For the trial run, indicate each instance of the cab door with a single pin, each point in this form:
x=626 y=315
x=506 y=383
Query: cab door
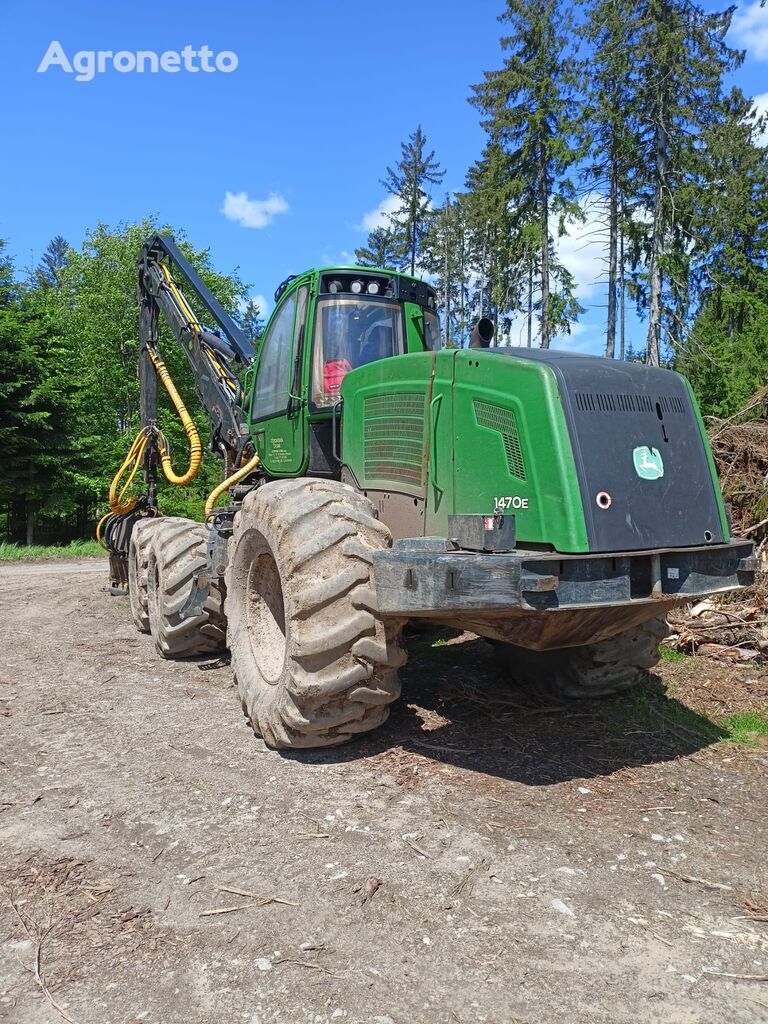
x=277 y=414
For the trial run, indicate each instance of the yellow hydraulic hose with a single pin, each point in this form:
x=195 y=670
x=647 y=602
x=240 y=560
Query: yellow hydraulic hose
x=229 y=482
x=103 y=520
x=195 y=447
x=118 y=504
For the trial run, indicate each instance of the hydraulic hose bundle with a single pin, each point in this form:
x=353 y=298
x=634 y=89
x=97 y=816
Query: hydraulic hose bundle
x=209 y=354
x=119 y=503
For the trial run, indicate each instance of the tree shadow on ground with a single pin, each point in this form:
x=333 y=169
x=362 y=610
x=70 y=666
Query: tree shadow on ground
x=459 y=708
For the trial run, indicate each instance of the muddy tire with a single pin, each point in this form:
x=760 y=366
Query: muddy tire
x=138 y=559
x=177 y=550
x=315 y=664
x=596 y=670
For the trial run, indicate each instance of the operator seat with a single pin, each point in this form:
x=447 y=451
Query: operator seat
x=378 y=345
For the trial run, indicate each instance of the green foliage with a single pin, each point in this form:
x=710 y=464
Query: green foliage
x=669 y=654
x=682 y=58
x=726 y=352
x=530 y=114
x=69 y=387
x=384 y=248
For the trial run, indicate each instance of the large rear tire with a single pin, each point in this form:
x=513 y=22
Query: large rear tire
x=138 y=559
x=177 y=552
x=595 y=670
x=314 y=662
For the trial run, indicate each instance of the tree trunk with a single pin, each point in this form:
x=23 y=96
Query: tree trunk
x=530 y=303
x=544 y=213
x=413 y=238
x=446 y=292
x=622 y=293
x=30 y=524
x=655 y=280
x=613 y=231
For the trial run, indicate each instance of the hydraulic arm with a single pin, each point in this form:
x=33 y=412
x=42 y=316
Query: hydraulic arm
x=209 y=355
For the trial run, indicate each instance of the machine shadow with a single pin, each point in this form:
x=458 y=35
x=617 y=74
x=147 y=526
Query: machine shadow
x=458 y=708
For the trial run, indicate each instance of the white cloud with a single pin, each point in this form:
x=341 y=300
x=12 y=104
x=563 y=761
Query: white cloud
x=261 y=301
x=252 y=213
x=379 y=218
x=761 y=110
x=750 y=29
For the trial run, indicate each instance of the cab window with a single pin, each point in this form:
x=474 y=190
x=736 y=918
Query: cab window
x=273 y=375
x=431 y=330
x=349 y=333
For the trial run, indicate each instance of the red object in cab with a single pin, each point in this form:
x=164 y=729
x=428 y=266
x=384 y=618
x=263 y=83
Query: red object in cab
x=334 y=372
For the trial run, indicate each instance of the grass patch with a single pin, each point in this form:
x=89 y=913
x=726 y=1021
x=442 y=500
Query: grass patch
x=746 y=727
x=655 y=708
x=668 y=654
x=75 y=549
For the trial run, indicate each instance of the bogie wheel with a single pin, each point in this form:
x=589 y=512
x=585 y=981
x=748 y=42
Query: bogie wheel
x=138 y=558
x=595 y=670
x=177 y=551
x=315 y=664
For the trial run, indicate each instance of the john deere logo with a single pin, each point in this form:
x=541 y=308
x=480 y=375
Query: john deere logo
x=648 y=463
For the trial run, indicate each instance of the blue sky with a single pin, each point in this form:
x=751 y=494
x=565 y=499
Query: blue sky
x=299 y=134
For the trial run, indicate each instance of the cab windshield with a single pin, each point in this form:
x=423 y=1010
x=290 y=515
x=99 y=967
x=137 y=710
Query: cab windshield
x=350 y=332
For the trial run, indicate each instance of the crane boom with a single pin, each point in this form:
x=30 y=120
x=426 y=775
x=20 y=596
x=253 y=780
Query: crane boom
x=209 y=354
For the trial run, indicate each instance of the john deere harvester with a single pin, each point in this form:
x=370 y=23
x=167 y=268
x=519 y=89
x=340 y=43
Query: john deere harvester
x=556 y=504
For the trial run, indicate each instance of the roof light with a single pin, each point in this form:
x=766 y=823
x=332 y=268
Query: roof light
x=335 y=286
x=356 y=287
x=373 y=288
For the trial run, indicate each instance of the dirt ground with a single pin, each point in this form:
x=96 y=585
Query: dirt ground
x=477 y=859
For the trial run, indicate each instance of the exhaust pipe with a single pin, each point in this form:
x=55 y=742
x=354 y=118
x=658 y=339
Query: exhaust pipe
x=482 y=333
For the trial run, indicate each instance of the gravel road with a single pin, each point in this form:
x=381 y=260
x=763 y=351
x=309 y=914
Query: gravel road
x=476 y=860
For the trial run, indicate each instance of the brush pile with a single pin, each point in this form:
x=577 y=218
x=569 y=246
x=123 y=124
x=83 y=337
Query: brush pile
x=735 y=627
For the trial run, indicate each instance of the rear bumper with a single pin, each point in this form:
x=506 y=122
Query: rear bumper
x=423 y=577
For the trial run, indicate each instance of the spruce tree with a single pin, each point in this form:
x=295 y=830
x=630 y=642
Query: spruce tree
x=681 y=57
x=49 y=270
x=445 y=256
x=529 y=112
x=726 y=351
x=251 y=320
x=610 y=30
x=383 y=249
x=409 y=182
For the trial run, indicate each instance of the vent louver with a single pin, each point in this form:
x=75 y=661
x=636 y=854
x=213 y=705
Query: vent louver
x=503 y=420
x=393 y=438
x=595 y=401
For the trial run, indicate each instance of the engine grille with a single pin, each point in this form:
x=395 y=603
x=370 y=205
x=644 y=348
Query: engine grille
x=394 y=438
x=503 y=420
x=603 y=401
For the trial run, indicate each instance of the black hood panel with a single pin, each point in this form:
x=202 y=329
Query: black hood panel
x=643 y=469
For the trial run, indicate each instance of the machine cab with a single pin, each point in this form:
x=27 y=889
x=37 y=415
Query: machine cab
x=325 y=324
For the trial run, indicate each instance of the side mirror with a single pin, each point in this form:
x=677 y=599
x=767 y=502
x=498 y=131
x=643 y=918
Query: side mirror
x=482 y=333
